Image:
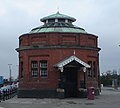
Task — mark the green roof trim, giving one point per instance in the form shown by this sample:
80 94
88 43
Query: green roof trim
58 29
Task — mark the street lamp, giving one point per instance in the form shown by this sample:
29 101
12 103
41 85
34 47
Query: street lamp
9 72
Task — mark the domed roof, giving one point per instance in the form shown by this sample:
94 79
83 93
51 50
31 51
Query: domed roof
58 23
58 16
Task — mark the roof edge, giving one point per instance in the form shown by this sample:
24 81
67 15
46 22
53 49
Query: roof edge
70 59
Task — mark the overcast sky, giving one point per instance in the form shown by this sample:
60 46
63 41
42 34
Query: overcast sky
99 17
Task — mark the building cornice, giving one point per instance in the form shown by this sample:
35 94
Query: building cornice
38 47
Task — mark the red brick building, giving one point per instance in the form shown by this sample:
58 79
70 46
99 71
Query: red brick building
57 59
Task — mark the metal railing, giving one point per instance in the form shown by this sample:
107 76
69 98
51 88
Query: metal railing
8 92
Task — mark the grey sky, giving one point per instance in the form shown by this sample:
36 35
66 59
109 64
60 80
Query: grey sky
100 17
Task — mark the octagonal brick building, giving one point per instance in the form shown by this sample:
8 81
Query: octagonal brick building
57 59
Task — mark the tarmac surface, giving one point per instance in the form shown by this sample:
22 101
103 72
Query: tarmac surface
109 98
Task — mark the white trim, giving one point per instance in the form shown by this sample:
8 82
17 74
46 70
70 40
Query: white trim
70 59
56 20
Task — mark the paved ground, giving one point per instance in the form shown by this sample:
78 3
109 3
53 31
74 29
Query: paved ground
109 98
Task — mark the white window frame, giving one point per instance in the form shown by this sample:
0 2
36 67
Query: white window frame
43 69
34 69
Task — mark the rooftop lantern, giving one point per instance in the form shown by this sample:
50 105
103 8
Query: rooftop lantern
58 21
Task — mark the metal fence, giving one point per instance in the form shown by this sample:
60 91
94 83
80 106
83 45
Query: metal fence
8 92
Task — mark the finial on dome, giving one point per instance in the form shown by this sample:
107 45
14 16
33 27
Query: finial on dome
58 10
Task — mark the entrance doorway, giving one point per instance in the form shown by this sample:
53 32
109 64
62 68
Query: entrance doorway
70 74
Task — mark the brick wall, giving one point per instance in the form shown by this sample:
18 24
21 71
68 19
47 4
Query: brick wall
82 44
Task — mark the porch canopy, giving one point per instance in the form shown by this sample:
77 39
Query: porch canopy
68 60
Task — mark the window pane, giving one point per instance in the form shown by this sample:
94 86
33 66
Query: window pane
34 68
34 64
94 69
44 73
43 64
43 69
34 73
90 69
